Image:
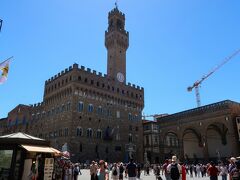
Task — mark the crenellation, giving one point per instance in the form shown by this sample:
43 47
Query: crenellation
100 74
70 68
89 70
66 70
75 66
59 74
105 75
55 77
94 72
83 68
51 78
62 72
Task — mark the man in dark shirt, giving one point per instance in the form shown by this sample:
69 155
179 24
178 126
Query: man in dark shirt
131 170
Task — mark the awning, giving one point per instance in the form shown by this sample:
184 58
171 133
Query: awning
40 149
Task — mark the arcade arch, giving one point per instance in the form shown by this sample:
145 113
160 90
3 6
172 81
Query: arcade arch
217 138
192 144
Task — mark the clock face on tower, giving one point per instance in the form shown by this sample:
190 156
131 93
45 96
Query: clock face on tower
120 77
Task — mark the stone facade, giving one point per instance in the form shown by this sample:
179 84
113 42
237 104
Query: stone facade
95 115
151 141
204 133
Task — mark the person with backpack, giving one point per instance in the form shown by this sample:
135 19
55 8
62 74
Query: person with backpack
174 169
115 172
121 171
235 173
131 170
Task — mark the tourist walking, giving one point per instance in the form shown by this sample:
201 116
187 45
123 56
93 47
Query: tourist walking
121 171
164 170
235 173
102 172
75 172
131 170
223 171
93 170
231 166
212 171
115 172
174 169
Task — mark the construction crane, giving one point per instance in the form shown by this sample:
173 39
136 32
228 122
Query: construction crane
1 22
197 84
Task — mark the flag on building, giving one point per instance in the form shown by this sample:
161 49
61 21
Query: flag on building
4 67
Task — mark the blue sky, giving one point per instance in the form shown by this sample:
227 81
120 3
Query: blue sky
172 44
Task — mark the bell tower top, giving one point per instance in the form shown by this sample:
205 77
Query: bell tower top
116 42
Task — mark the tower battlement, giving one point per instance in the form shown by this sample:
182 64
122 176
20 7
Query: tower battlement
115 12
88 72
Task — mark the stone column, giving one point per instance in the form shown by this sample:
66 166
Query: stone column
205 148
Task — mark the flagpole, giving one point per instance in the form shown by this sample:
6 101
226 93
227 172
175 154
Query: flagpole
7 59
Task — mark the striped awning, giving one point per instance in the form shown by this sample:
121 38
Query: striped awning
41 149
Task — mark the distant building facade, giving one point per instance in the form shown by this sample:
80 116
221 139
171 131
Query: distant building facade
151 144
93 115
201 134
3 125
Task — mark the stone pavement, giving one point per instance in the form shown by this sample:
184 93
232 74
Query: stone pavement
85 176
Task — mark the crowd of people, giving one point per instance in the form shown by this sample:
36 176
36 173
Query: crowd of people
171 169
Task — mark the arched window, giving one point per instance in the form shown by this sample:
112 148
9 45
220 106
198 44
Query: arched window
171 140
99 134
68 106
118 137
89 132
79 131
80 106
130 138
90 108
100 110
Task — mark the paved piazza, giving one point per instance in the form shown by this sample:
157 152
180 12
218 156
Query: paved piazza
85 176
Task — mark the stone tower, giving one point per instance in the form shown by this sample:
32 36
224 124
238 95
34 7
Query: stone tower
116 42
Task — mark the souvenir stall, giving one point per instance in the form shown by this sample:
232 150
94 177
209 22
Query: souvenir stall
26 157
